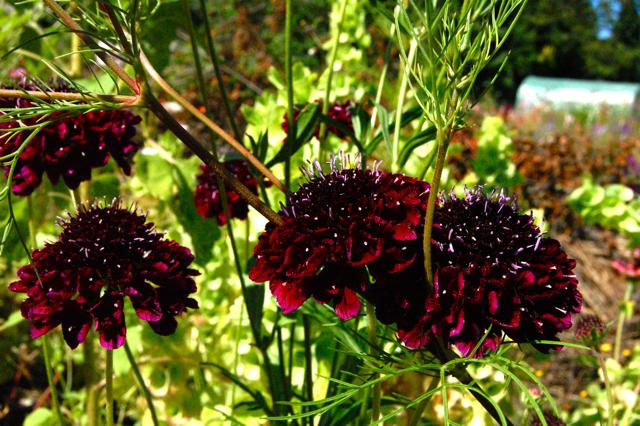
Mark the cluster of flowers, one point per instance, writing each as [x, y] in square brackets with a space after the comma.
[207, 196]
[338, 112]
[104, 254]
[348, 234]
[68, 147]
[355, 232]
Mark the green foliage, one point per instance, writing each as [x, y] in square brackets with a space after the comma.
[492, 163]
[613, 206]
[449, 46]
[624, 379]
[41, 417]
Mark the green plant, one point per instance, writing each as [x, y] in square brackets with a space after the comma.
[612, 206]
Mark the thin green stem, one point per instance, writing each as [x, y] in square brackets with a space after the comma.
[617, 345]
[236, 357]
[79, 196]
[115, 22]
[607, 385]
[55, 404]
[213, 54]
[292, 343]
[288, 70]
[327, 94]
[373, 349]
[90, 380]
[402, 92]
[194, 145]
[203, 153]
[225, 206]
[308, 363]
[143, 387]
[106, 58]
[381, 81]
[286, 381]
[46, 350]
[459, 371]
[443, 143]
[108, 376]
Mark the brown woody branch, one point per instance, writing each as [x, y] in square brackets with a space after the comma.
[67, 96]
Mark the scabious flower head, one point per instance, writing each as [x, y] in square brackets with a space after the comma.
[338, 229]
[590, 330]
[630, 269]
[495, 274]
[69, 147]
[339, 112]
[103, 255]
[207, 196]
[586, 324]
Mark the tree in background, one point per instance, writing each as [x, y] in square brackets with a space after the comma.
[562, 39]
[626, 36]
[626, 29]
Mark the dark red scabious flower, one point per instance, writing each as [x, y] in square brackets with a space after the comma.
[104, 255]
[68, 148]
[339, 112]
[587, 324]
[207, 195]
[629, 269]
[339, 229]
[495, 275]
[590, 330]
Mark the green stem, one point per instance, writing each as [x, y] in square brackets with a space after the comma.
[381, 82]
[46, 351]
[84, 35]
[236, 357]
[143, 387]
[90, 380]
[207, 157]
[443, 142]
[55, 405]
[288, 70]
[213, 54]
[607, 385]
[225, 206]
[617, 346]
[308, 363]
[460, 372]
[327, 95]
[108, 375]
[373, 349]
[79, 196]
[402, 92]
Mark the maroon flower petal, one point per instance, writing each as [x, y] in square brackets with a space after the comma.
[75, 326]
[109, 317]
[348, 305]
[290, 295]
